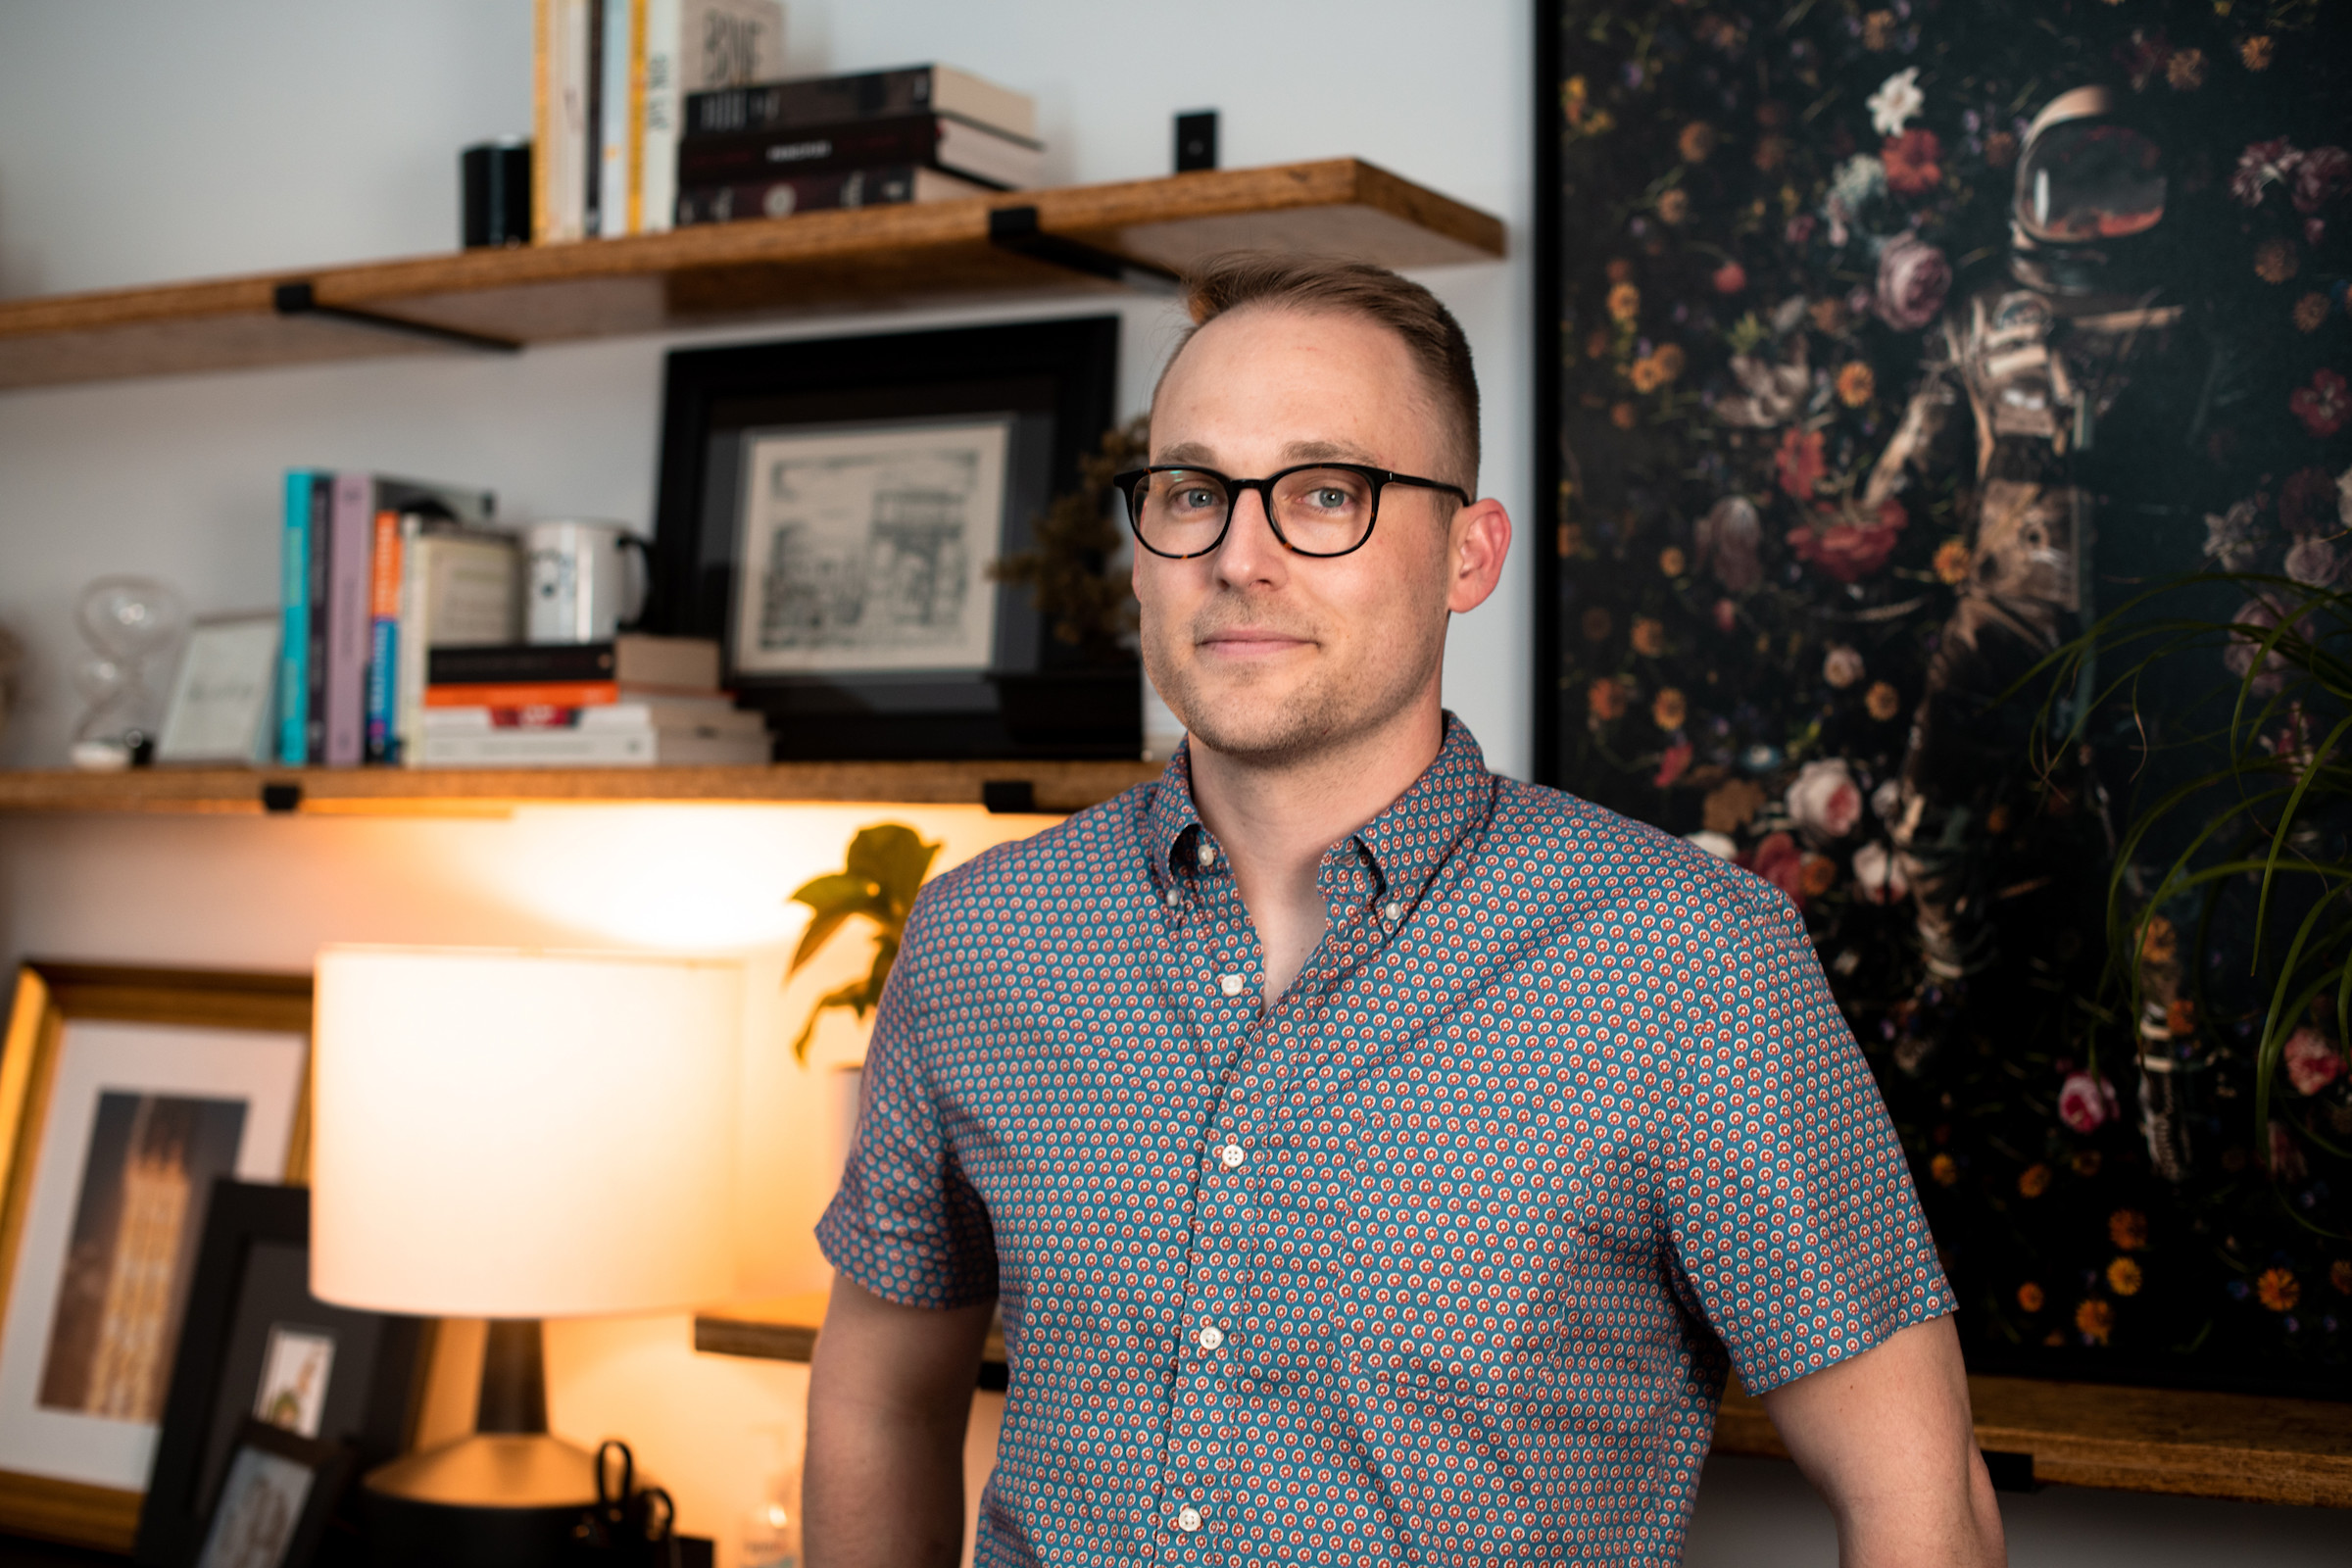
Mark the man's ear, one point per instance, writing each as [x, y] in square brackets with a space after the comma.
[1476, 546]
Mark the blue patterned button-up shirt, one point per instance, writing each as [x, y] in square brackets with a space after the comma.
[1442, 1258]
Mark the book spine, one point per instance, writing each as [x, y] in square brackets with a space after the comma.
[294, 599]
[768, 154]
[524, 694]
[542, 129]
[887, 186]
[633, 122]
[776, 104]
[350, 532]
[567, 151]
[657, 162]
[613, 119]
[535, 663]
[320, 586]
[410, 639]
[383, 639]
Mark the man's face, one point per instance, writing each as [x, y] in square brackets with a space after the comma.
[1270, 656]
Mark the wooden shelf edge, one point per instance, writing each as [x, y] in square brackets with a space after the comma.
[1059, 787]
[2227, 1445]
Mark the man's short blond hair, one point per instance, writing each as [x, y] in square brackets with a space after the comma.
[1430, 336]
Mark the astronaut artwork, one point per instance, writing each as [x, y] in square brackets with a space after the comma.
[1911, 362]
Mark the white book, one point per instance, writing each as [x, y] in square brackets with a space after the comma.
[457, 590]
[691, 45]
[571, 748]
[564, 141]
[683, 715]
[613, 133]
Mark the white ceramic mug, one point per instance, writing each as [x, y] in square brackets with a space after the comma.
[578, 584]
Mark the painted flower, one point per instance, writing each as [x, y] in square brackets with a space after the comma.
[2159, 943]
[1674, 205]
[2033, 1179]
[2235, 537]
[2339, 1275]
[1841, 667]
[1882, 702]
[2313, 563]
[1604, 699]
[1729, 278]
[2310, 313]
[2086, 1104]
[1731, 805]
[2029, 1297]
[1816, 874]
[1858, 181]
[2278, 1288]
[1879, 875]
[1669, 709]
[1801, 462]
[1877, 31]
[2185, 70]
[1672, 563]
[2124, 1277]
[1771, 394]
[1649, 636]
[1673, 764]
[1913, 161]
[2094, 1320]
[1772, 151]
[2319, 176]
[2324, 406]
[1596, 623]
[2286, 1155]
[1778, 862]
[1671, 360]
[1912, 279]
[1824, 801]
[1847, 545]
[2307, 502]
[2256, 53]
[2276, 261]
[1726, 539]
[1727, 615]
[1857, 384]
[1945, 1169]
[1624, 303]
[2312, 1061]
[1624, 415]
[2260, 165]
[1896, 103]
[1718, 844]
[2000, 149]
[1951, 561]
[1697, 141]
[1646, 373]
[2128, 1229]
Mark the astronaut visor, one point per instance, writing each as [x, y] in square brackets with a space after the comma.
[2090, 179]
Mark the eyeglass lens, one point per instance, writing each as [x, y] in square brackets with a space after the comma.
[1319, 511]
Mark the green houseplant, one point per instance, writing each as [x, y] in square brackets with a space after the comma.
[885, 865]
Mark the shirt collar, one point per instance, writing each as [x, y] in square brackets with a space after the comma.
[1406, 843]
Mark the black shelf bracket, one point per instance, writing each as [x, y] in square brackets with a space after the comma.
[302, 299]
[1016, 229]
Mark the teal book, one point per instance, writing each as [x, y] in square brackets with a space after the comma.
[294, 646]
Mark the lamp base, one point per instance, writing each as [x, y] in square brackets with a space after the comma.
[489, 1501]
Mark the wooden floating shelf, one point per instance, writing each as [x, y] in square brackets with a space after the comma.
[2061, 1434]
[1055, 786]
[723, 273]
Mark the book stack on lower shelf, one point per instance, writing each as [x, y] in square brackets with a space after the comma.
[634, 702]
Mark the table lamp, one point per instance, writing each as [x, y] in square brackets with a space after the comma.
[516, 1136]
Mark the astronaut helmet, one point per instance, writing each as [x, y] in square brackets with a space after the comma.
[2090, 188]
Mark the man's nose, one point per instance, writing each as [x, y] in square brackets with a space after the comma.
[1251, 551]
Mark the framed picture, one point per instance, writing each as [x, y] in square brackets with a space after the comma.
[1889, 352]
[276, 1495]
[222, 698]
[124, 1093]
[829, 513]
[257, 1346]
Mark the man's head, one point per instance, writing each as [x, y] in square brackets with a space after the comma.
[1273, 657]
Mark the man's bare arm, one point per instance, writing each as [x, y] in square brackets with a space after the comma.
[889, 1391]
[1885, 1437]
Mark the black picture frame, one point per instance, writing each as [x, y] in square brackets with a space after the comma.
[253, 1275]
[1055, 380]
[265, 1460]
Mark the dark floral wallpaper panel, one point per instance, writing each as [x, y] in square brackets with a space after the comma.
[1893, 345]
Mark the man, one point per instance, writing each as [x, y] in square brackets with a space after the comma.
[1376, 1161]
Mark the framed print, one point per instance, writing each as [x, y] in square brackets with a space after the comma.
[257, 1346]
[276, 1495]
[830, 512]
[1940, 401]
[221, 696]
[124, 1093]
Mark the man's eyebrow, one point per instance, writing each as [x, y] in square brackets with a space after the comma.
[1193, 453]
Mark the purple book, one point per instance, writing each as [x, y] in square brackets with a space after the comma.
[351, 535]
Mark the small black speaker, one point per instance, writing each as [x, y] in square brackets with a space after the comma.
[1196, 140]
[496, 179]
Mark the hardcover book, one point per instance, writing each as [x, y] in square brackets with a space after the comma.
[887, 186]
[868, 96]
[974, 152]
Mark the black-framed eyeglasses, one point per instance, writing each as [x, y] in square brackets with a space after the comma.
[1317, 508]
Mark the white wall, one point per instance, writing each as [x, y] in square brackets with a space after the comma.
[143, 141]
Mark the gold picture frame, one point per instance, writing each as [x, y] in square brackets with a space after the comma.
[179, 1005]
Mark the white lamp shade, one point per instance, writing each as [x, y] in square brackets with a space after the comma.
[509, 1134]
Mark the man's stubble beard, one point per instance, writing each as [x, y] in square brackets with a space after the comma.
[1276, 723]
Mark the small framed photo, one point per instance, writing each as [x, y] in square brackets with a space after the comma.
[124, 1093]
[830, 510]
[224, 692]
[257, 1346]
[274, 1501]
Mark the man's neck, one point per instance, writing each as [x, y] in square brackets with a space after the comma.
[1274, 823]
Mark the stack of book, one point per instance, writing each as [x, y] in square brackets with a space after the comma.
[922, 133]
[607, 86]
[634, 701]
[373, 571]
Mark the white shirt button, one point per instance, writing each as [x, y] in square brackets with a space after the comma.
[1212, 1337]
[1392, 913]
[1231, 984]
[1188, 1518]
[1208, 853]
[1231, 1155]
[1175, 898]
